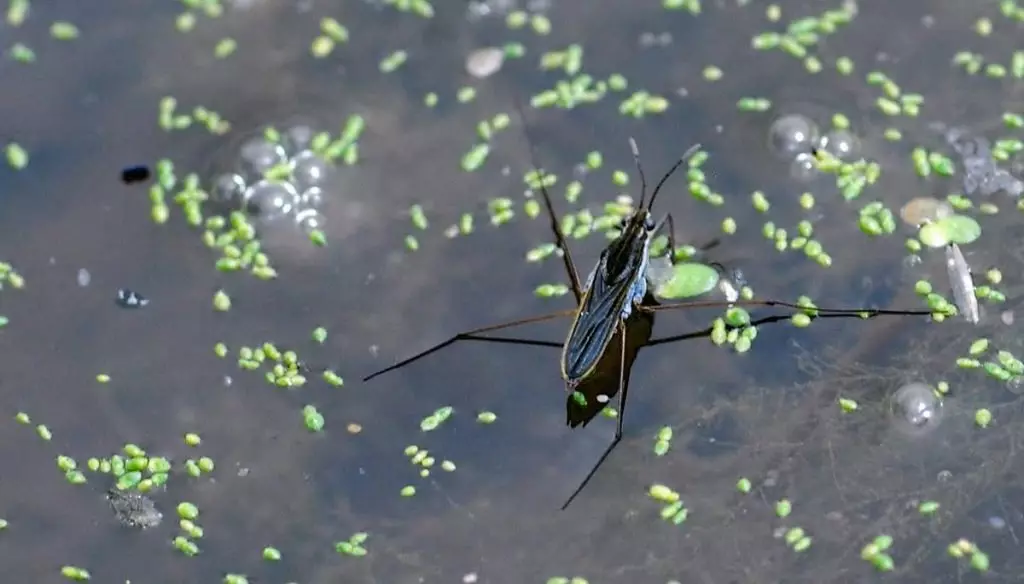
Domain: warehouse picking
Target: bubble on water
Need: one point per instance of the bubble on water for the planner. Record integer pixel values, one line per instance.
(269, 201)
(916, 409)
(84, 277)
(312, 198)
(659, 271)
(842, 144)
(309, 170)
(257, 156)
(228, 189)
(309, 220)
(996, 522)
(485, 62)
(1015, 386)
(803, 168)
(297, 138)
(792, 134)
(912, 262)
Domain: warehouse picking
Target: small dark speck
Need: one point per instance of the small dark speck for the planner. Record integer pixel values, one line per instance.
(134, 174)
(128, 299)
(721, 434)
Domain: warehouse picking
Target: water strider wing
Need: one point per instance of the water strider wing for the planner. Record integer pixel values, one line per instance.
(595, 324)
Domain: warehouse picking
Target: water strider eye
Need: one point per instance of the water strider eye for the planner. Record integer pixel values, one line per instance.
(649, 223)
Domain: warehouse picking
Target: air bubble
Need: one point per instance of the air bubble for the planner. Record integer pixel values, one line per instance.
(269, 201)
(312, 198)
(257, 156)
(792, 134)
(309, 220)
(309, 170)
(296, 139)
(916, 409)
(842, 144)
(228, 189)
(804, 168)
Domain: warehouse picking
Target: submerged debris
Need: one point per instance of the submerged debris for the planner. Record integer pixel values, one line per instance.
(981, 174)
(962, 282)
(133, 509)
(135, 174)
(921, 210)
(129, 299)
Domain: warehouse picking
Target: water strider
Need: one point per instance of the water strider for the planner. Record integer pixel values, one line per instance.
(614, 314)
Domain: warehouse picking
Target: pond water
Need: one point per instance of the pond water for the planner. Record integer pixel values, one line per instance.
(99, 375)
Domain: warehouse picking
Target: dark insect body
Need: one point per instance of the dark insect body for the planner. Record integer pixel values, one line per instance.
(614, 314)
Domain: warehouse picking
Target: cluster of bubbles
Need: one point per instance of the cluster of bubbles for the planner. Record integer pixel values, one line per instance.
(298, 195)
(981, 173)
(795, 138)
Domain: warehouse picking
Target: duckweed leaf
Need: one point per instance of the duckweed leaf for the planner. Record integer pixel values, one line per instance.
(688, 280)
(933, 235)
(960, 229)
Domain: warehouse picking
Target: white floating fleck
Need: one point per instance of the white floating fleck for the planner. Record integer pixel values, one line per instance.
(129, 299)
(485, 62)
(962, 283)
(84, 277)
(728, 287)
(602, 399)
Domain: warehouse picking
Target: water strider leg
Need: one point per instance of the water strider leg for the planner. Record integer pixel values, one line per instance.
(556, 228)
(623, 389)
(869, 312)
(475, 335)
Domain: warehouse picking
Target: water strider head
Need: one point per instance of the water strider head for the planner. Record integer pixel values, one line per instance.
(637, 229)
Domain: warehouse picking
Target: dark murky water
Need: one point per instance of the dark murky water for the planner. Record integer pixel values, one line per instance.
(88, 108)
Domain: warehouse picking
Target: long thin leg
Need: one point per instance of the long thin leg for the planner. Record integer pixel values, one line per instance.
(758, 322)
(485, 338)
(684, 337)
(513, 341)
(671, 238)
(623, 389)
(667, 220)
(869, 312)
(474, 334)
(556, 228)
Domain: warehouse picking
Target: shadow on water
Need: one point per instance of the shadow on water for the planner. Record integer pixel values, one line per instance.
(87, 108)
